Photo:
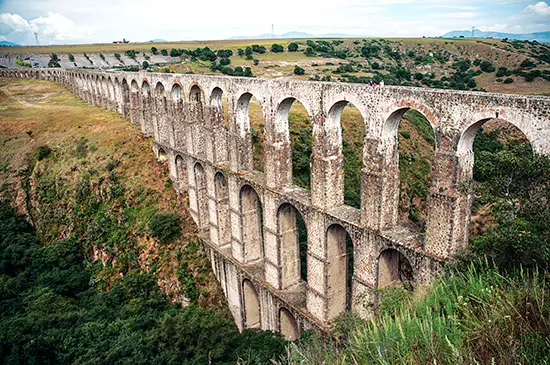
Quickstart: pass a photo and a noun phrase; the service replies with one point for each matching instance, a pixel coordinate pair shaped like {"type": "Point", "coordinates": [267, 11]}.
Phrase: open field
{"type": "Point", "coordinates": [232, 44]}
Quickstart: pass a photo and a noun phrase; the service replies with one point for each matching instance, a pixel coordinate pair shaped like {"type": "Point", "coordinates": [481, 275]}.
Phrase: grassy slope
{"type": "Point", "coordinates": [72, 129]}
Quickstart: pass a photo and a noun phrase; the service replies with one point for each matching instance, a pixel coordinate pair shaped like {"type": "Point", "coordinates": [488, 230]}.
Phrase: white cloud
{"type": "Point", "coordinates": [13, 23]}
{"type": "Point", "coordinates": [540, 9]}
{"type": "Point", "coordinates": [51, 29]}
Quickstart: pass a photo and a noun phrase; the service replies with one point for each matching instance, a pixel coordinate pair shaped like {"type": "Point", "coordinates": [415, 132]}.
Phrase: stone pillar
{"type": "Point", "coordinates": [448, 205]}
{"type": "Point", "coordinates": [327, 165]}
{"type": "Point", "coordinates": [219, 134]}
{"type": "Point", "coordinates": [278, 153]}
{"type": "Point", "coordinates": [380, 185]}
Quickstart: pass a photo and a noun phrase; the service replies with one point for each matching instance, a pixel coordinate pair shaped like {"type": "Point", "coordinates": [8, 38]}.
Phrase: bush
{"type": "Point", "coordinates": [225, 61]}
{"type": "Point", "coordinates": [487, 66]}
{"type": "Point", "coordinates": [154, 50]}
{"type": "Point", "coordinates": [277, 48]}
{"type": "Point", "coordinates": [298, 70]}
{"type": "Point", "coordinates": [309, 52]}
{"type": "Point", "coordinates": [43, 152]}
{"type": "Point", "coordinates": [165, 227]}
{"type": "Point", "coordinates": [293, 47]}
{"type": "Point", "coordinates": [508, 80]}
{"type": "Point", "coordinates": [527, 63]}
{"type": "Point", "coordinates": [164, 52]}
{"type": "Point", "coordinates": [501, 72]}
{"type": "Point", "coordinates": [71, 57]}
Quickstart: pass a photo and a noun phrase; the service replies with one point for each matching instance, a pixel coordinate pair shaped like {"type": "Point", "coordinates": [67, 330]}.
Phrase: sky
{"type": "Point", "coordinates": [100, 21]}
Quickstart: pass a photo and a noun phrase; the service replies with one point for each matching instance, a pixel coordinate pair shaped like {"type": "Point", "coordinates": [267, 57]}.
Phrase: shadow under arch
{"type": "Point", "coordinates": [201, 196]}
{"type": "Point", "coordinates": [292, 237]}
{"type": "Point", "coordinates": [394, 269]}
{"type": "Point", "coordinates": [288, 325]}
{"type": "Point", "coordinates": [223, 210]}
{"type": "Point", "coordinates": [340, 266]}
{"type": "Point", "coordinates": [251, 306]}
{"type": "Point", "coordinates": [252, 225]}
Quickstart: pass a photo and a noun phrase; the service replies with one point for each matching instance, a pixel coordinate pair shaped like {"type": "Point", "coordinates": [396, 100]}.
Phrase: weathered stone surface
{"type": "Point", "coordinates": [247, 218]}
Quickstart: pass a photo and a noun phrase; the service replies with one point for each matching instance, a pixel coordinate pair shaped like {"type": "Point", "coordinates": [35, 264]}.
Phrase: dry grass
{"type": "Point", "coordinates": [60, 120]}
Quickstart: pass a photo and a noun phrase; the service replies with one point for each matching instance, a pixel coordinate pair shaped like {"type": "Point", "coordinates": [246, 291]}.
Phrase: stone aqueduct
{"type": "Point", "coordinates": [247, 218]}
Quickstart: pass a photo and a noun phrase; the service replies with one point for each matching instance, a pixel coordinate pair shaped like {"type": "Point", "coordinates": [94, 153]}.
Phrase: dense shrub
{"type": "Point", "coordinates": [487, 66]}
{"type": "Point", "coordinates": [292, 47]}
{"type": "Point", "coordinates": [50, 313]}
{"type": "Point", "coordinates": [43, 152]}
{"type": "Point", "coordinates": [165, 227]}
{"type": "Point", "coordinates": [298, 70]}
{"type": "Point", "coordinates": [277, 48]}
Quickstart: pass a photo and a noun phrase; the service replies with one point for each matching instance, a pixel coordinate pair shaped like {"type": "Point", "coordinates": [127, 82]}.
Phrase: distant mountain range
{"type": "Point", "coordinates": [543, 37]}
{"type": "Point", "coordinates": [159, 40]}
{"type": "Point", "coordinates": [297, 35]}
{"type": "Point", "coordinates": [8, 44]}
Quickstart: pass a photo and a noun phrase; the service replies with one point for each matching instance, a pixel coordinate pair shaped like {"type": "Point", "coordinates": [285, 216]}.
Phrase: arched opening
{"type": "Point", "coordinates": [222, 203]}
{"type": "Point", "coordinates": [176, 93]}
{"type": "Point", "coordinates": [220, 123]}
{"type": "Point", "coordinates": [294, 122]}
{"type": "Point", "coordinates": [497, 161]}
{"type": "Point", "coordinates": [289, 327]}
{"type": "Point", "coordinates": [250, 118]}
{"type": "Point", "coordinates": [340, 270]}
{"type": "Point", "coordinates": [202, 196]}
{"type": "Point", "coordinates": [181, 171]}
{"type": "Point", "coordinates": [161, 155]}
{"type": "Point", "coordinates": [218, 101]}
{"type": "Point", "coordinates": [394, 270]}
{"type": "Point", "coordinates": [252, 225]}
{"type": "Point", "coordinates": [134, 100]}
{"type": "Point", "coordinates": [409, 146]}
{"type": "Point", "coordinates": [125, 97]}
{"type": "Point", "coordinates": [160, 115]}
{"type": "Point", "coordinates": [147, 122]}
{"type": "Point", "coordinates": [293, 246]}
{"type": "Point", "coordinates": [146, 89]}
{"type": "Point", "coordinates": [196, 100]}
{"type": "Point", "coordinates": [347, 134]}
{"type": "Point", "coordinates": [177, 120]}
{"type": "Point", "coordinates": [252, 313]}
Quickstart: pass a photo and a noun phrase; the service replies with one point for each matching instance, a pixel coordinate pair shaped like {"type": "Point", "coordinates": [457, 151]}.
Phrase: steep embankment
{"type": "Point", "coordinates": [97, 181]}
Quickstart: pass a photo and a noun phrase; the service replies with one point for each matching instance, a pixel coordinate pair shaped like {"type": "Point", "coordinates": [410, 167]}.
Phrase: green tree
{"type": "Point", "coordinates": [154, 50]}
{"type": "Point", "coordinates": [293, 47]}
{"type": "Point", "coordinates": [164, 52]}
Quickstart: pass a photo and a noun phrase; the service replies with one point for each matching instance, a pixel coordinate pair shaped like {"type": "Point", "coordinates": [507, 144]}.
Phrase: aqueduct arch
{"type": "Point", "coordinates": [252, 309]}
{"type": "Point", "coordinates": [252, 227]}
{"type": "Point", "coordinates": [225, 191]}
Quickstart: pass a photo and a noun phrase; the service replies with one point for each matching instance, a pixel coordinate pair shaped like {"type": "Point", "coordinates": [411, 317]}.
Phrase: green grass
{"type": "Point", "coordinates": [474, 317]}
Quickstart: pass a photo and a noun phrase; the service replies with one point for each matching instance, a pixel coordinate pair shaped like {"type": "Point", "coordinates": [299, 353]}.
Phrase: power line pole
{"type": "Point", "coordinates": [36, 38]}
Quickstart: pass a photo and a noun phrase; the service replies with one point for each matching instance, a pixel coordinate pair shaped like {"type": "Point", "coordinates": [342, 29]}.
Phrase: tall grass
{"type": "Point", "coordinates": [474, 317]}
